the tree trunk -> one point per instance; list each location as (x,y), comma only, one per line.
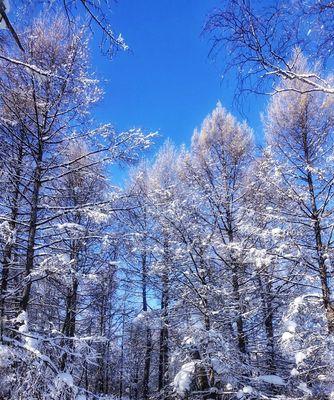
(120,394)
(266,299)
(148,345)
(70,319)
(32,228)
(241,337)
(240,322)
(318,232)
(163,378)
(201,377)
(9,248)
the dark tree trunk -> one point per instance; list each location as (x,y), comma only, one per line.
(266,298)
(32,228)
(70,319)
(239,320)
(148,345)
(241,337)
(163,378)
(318,233)
(121,377)
(9,248)
(202,381)
(102,369)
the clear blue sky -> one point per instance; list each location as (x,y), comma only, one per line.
(166,82)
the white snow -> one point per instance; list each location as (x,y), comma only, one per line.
(272,379)
(300,357)
(303,387)
(6,233)
(71,225)
(65,378)
(247,389)
(291,326)
(188,340)
(5,356)
(287,336)
(276,232)
(30,341)
(183,378)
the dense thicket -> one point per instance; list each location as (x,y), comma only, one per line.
(207,276)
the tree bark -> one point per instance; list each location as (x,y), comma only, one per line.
(163,378)
(266,299)
(70,319)
(32,227)
(10,247)
(148,345)
(318,233)
(241,337)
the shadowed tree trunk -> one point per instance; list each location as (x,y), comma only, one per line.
(71,312)
(9,248)
(29,264)
(236,294)
(163,376)
(148,345)
(318,234)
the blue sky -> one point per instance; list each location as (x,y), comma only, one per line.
(166,82)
